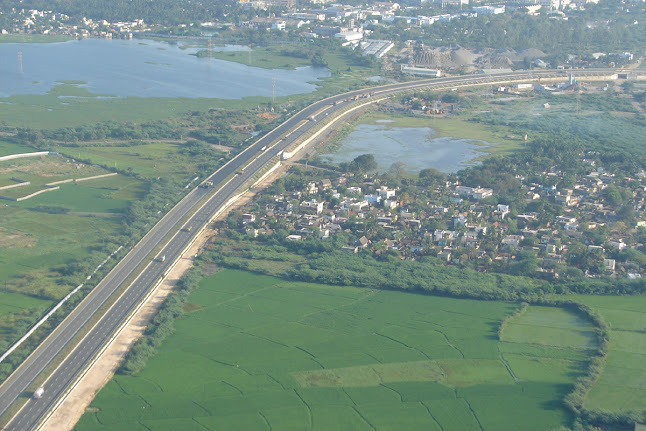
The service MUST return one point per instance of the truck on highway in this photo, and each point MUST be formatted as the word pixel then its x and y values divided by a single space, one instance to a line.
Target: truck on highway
pixel 162 258
pixel 206 184
pixel 312 119
pixel 38 393
pixel 187 229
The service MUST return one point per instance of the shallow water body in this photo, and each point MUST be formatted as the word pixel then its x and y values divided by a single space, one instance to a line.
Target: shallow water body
pixel 142 68
pixel 416 147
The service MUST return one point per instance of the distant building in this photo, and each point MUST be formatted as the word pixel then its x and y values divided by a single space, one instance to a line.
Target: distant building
pixel 350 36
pixel 421 71
pixel 476 193
pixel 311 207
pixel 378 48
pixel 489 10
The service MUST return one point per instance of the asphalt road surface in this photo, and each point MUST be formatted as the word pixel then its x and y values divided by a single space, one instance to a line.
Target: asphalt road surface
pixel 260 153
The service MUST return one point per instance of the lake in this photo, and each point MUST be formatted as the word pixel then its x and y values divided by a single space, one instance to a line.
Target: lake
pixel 415 146
pixel 143 68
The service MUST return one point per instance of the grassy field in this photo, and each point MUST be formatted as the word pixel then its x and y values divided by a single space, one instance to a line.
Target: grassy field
pixel 258 352
pixel 39 171
pixel 604 119
pixel 622 386
pixel 33 38
pixel 108 194
pixel 15 305
pixel 51 111
pixel 157 159
pixel 269 57
pixel 35 243
pixel 7 148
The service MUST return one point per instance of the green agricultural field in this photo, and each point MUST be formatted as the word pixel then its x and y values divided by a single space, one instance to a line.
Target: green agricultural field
pixel 622 386
pixel 550 326
pixel 547 344
pixel 256 352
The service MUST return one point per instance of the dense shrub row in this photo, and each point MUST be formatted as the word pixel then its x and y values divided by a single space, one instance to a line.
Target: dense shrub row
pixel 162 325
pixel 503 323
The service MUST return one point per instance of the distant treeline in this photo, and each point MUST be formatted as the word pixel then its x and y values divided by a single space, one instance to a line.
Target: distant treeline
pixel 99 131
pixel 424 275
pixel 158 11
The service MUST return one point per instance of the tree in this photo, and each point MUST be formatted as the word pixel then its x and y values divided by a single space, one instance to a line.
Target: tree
pixel 527 264
pixel 363 163
pixel 398 169
pixel 430 176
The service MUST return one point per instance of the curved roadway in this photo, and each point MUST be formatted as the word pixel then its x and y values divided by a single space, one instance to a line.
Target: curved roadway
pixel 257 156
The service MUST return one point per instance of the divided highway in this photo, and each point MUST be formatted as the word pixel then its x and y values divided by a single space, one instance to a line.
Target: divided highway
pixel 255 157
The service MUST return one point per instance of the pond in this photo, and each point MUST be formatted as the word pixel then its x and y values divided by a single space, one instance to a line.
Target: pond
pixel 143 68
pixel 416 147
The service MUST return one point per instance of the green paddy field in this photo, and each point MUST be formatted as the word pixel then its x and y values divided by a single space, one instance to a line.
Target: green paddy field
pixel 255 352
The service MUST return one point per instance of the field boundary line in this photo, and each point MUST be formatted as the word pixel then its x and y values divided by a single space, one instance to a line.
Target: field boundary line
pixel 11 186
pixel 23 155
pixel 93 177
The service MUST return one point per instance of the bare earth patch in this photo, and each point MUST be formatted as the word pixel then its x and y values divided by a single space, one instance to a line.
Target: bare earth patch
pixel 16 239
